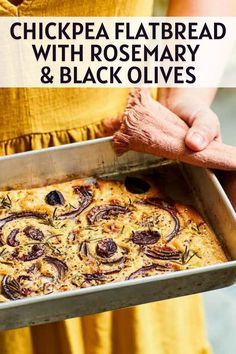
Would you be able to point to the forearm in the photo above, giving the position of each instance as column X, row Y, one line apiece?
column 191, row 8
column 172, row 97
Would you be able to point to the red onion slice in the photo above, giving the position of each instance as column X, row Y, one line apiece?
column 163, row 253
column 99, row 276
column 83, row 250
column 36, row 252
column 148, row 237
column 23, row 214
column 143, row 272
column 11, row 239
column 171, row 210
column 11, row 288
column 104, row 211
column 94, row 276
column 60, row 266
column 113, row 260
column 87, row 198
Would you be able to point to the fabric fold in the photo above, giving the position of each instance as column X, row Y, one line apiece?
column 43, row 140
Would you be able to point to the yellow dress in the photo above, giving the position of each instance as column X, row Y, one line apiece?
column 34, row 118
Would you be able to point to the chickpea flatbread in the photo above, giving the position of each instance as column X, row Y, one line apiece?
column 88, row 232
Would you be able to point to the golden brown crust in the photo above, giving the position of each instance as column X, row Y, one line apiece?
column 92, row 232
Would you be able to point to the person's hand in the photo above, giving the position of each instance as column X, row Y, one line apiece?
column 150, row 127
column 203, row 123
column 110, row 126
column 204, row 127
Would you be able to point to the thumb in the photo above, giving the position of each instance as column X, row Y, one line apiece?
column 111, row 125
column 204, row 129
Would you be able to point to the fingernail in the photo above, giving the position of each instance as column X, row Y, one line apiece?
column 197, row 139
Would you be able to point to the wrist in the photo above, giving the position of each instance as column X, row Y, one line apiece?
column 172, row 97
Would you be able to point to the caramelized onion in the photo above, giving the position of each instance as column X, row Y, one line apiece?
column 85, row 284
column 1, row 240
column 143, row 272
column 60, row 265
column 99, row 275
column 48, row 288
column 94, row 276
column 171, row 210
column 113, row 260
column 36, row 252
column 163, row 253
column 86, row 199
column 11, row 239
column 33, row 268
column 23, row 214
column 11, row 288
column 83, row 250
column 104, row 211
column 23, row 277
column 145, row 237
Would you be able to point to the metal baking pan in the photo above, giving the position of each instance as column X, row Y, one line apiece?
column 96, row 158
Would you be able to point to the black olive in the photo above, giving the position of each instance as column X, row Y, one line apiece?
column 54, row 198
column 106, row 248
column 34, row 234
column 136, row 185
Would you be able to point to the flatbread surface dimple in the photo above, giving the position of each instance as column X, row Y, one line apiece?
column 89, row 232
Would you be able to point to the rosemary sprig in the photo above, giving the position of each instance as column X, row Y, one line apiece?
column 122, row 230
column 90, row 228
column 186, row 256
column 44, row 222
column 7, row 262
column 3, row 251
column 6, row 202
column 54, row 249
column 72, row 206
column 94, row 239
column 150, row 225
column 130, row 201
column 49, row 222
column 52, row 236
